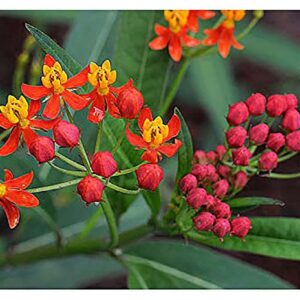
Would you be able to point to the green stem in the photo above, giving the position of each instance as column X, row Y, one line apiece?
column 288, row 156
column 53, row 187
column 175, row 86
column 68, row 172
column 4, row 134
column 248, row 29
column 120, row 189
column 70, row 162
column 112, row 224
column 282, row 176
column 128, row 171
column 98, row 140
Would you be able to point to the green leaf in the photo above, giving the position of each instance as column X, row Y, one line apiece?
column 185, row 153
column 153, row 200
column 249, row 202
column 275, row 237
column 133, row 58
column 173, row 264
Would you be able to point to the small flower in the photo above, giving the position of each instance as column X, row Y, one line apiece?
column 204, row 221
column 90, row 189
column 241, row 156
column 221, row 151
column 259, row 133
column 268, row 161
column 175, row 36
column 220, row 188
column 66, row 134
column 200, row 157
column 12, row 193
column 187, row 183
column 55, row 84
column 104, row 164
column 291, row 101
column 211, row 201
column 240, row 180
column 238, row 114
column 256, row 104
column 211, row 174
column 222, row 210
column 291, row 120
column 240, row 226
column 223, row 35
column 42, row 148
column 224, row 171
column 293, row 141
column 155, row 135
column 236, row 136
column 276, row 141
column 276, row 105
column 211, row 157
column 194, row 15
column 20, row 116
column 149, row 176
column 196, row 198
column 200, row 171
column 221, row 228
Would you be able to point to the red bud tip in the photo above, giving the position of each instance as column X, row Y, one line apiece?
column 204, row 221
column 224, row 171
column 241, row 156
column 211, row 157
column 236, row 136
column 221, row 151
column 240, row 227
column 222, row 210
column 104, row 164
column 200, row 157
column 220, row 188
column 276, row 105
column 293, row 141
column 90, row 189
column 200, row 171
column 211, row 201
column 66, row 134
column 276, row 141
column 221, row 228
column 42, row 148
column 256, row 104
column 196, row 198
column 291, row 120
column 268, row 161
column 187, row 183
column 149, row 176
column 240, row 180
column 238, row 114
column 291, row 101
column 259, row 133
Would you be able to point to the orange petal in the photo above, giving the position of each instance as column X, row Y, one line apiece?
column 159, row 43
column 206, row 14
column 12, row 213
column 145, row 114
column 78, row 80
column 8, row 175
column 97, row 110
column 34, row 108
column 213, row 36
column 22, row 198
column 52, row 107
column 44, row 124
column 4, row 123
column 135, row 139
column 150, row 156
column 49, row 60
column 175, row 48
column 193, row 21
column 12, row 143
column 29, row 136
column 225, row 41
column 161, row 30
column 189, row 41
column 34, row 92
column 21, row 182
column 74, row 101
column 174, row 127
column 170, row 150
column 113, row 109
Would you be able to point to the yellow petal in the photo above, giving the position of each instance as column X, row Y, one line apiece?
column 94, row 67
column 106, row 65
column 112, row 77
column 63, row 77
column 46, row 82
column 46, row 69
column 57, row 66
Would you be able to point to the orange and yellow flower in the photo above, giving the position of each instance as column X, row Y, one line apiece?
column 175, row 36
column 57, row 86
column 223, row 35
column 194, row 15
column 12, row 193
column 155, row 135
column 20, row 117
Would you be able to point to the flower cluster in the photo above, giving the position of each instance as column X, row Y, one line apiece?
column 20, row 117
column 253, row 146
column 181, row 22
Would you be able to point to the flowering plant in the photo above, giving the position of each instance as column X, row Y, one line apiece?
column 102, row 127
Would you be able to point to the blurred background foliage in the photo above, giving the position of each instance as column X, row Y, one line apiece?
column 269, row 64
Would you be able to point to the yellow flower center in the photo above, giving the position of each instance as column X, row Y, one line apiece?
column 154, row 132
column 54, row 77
column 102, row 77
column 232, row 16
column 2, row 190
column 16, row 111
column 176, row 19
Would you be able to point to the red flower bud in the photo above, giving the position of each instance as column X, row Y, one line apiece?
column 204, row 221
column 259, row 133
column 293, row 141
column 268, row 161
column 149, row 176
column 224, row 171
column 236, row 136
column 211, row 201
column 221, row 151
column 196, row 198
column 129, row 102
column 240, row 226
column 240, row 180
column 188, row 182
column 256, row 104
column 66, row 134
column 42, row 148
column 241, row 156
column 291, row 101
column 200, row 171
column 90, row 189
column 220, row 188
column 276, row 141
column 104, row 164
column 211, row 157
column 238, row 114
column 276, row 105
column 200, row 157
column 211, row 173
column 221, row 228
column 291, row 120
column 222, row 210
